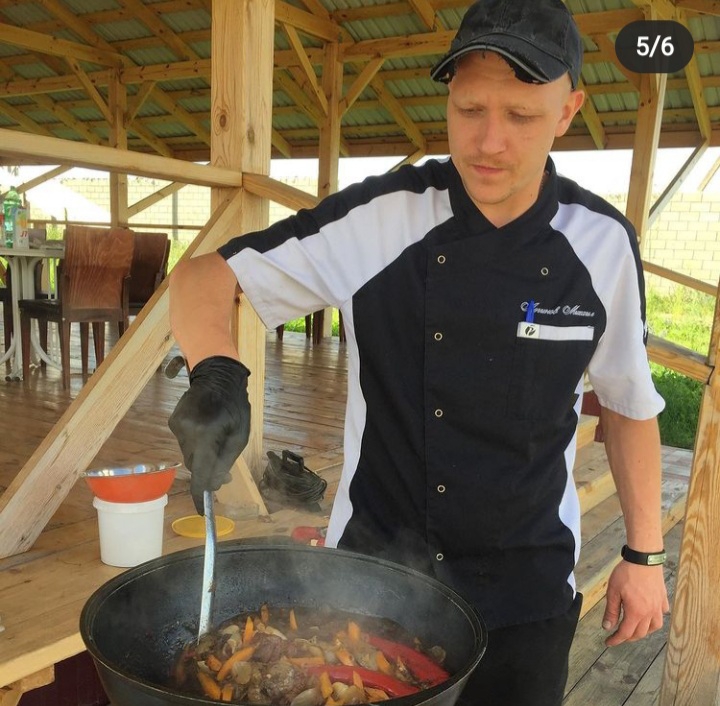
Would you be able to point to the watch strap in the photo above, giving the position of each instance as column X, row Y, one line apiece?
column 643, row 558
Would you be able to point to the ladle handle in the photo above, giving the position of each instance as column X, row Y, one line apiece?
column 208, row 584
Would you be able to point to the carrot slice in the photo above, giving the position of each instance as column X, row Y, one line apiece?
column 209, row 686
column 249, row 631
column 357, row 681
column 353, row 631
column 325, row 685
column 242, row 655
column 344, row 656
column 227, row 692
column 293, row 620
column 213, row 663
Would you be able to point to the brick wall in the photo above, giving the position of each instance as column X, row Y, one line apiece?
column 686, row 235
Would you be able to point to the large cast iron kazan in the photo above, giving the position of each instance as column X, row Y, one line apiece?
column 135, row 624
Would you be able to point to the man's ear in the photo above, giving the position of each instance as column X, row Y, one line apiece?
column 572, row 105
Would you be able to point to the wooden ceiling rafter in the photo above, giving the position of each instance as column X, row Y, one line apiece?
column 310, row 77
column 296, row 74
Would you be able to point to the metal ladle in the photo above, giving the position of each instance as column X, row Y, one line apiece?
column 208, row 581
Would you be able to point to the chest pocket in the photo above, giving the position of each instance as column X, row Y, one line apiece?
column 548, row 363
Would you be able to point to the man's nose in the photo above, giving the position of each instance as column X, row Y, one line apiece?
column 493, row 135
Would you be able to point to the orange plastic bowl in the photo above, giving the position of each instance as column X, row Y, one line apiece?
column 131, row 484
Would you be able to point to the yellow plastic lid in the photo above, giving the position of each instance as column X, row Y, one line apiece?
column 194, row 526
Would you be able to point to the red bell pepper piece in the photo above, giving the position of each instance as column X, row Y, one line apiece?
column 377, row 680
column 419, row 664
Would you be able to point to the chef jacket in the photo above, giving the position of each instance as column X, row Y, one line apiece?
column 463, row 405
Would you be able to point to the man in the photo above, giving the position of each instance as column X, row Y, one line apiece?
column 475, row 293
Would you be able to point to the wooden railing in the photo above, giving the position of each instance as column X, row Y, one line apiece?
column 672, row 355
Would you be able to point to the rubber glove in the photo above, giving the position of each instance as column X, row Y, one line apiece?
column 211, row 422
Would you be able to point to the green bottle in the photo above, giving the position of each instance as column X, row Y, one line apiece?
column 11, row 203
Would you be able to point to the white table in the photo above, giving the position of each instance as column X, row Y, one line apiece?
column 22, row 263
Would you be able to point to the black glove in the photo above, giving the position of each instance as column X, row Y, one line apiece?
column 211, row 422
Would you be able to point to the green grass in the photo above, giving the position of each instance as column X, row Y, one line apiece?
column 684, row 317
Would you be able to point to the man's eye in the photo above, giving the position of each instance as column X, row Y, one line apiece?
column 521, row 118
column 470, row 112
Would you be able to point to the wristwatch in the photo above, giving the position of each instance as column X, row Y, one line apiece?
column 643, row 558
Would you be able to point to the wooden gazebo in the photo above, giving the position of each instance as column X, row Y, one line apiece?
column 153, row 88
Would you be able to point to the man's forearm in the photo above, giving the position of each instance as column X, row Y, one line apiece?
column 633, row 449
column 202, row 300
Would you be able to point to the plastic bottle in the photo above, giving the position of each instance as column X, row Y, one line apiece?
column 11, row 204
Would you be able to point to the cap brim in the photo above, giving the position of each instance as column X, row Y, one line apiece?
column 539, row 65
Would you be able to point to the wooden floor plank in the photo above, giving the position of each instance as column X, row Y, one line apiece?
column 305, row 407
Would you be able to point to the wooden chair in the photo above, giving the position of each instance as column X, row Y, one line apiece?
column 6, row 299
column 93, row 288
column 148, row 269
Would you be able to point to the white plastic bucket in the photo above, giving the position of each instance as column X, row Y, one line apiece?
column 130, row 533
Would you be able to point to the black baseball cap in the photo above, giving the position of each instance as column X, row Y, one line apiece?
column 539, row 38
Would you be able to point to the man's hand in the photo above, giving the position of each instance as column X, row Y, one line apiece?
column 638, row 594
column 212, row 423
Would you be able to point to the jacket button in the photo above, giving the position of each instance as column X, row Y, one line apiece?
column 441, row 489
column 441, row 259
column 438, row 413
column 438, row 336
column 439, row 556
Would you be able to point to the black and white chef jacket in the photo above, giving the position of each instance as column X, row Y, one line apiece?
column 462, row 408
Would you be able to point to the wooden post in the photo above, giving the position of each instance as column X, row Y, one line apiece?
column 647, row 135
column 329, row 148
column 118, row 139
column 692, row 665
column 241, row 126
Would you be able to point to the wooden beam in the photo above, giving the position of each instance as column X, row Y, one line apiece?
column 329, row 142
column 67, row 118
column 297, row 47
column 410, row 159
column 678, row 358
column 267, row 188
column 54, row 150
column 592, row 120
column 23, row 120
column 182, row 115
column 709, row 176
column 425, row 12
column 647, row 135
column 242, row 67
column 692, row 666
column 44, row 481
column 44, row 44
column 146, row 136
column 677, row 277
column 390, row 103
column 704, row 7
column 42, row 178
column 695, row 84
column 154, row 198
column 88, row 85
column 138, row 100
column 676, row 182
column 310, row 24
column 118, row 140
column 607, row 47
column 154, row 22
column 360, row 83
column 281, row 144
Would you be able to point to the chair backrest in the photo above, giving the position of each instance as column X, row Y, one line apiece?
column 37, row 237
column 149, row 265
column 96, row 263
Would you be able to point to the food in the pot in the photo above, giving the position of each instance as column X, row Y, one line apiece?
column 308, row 657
